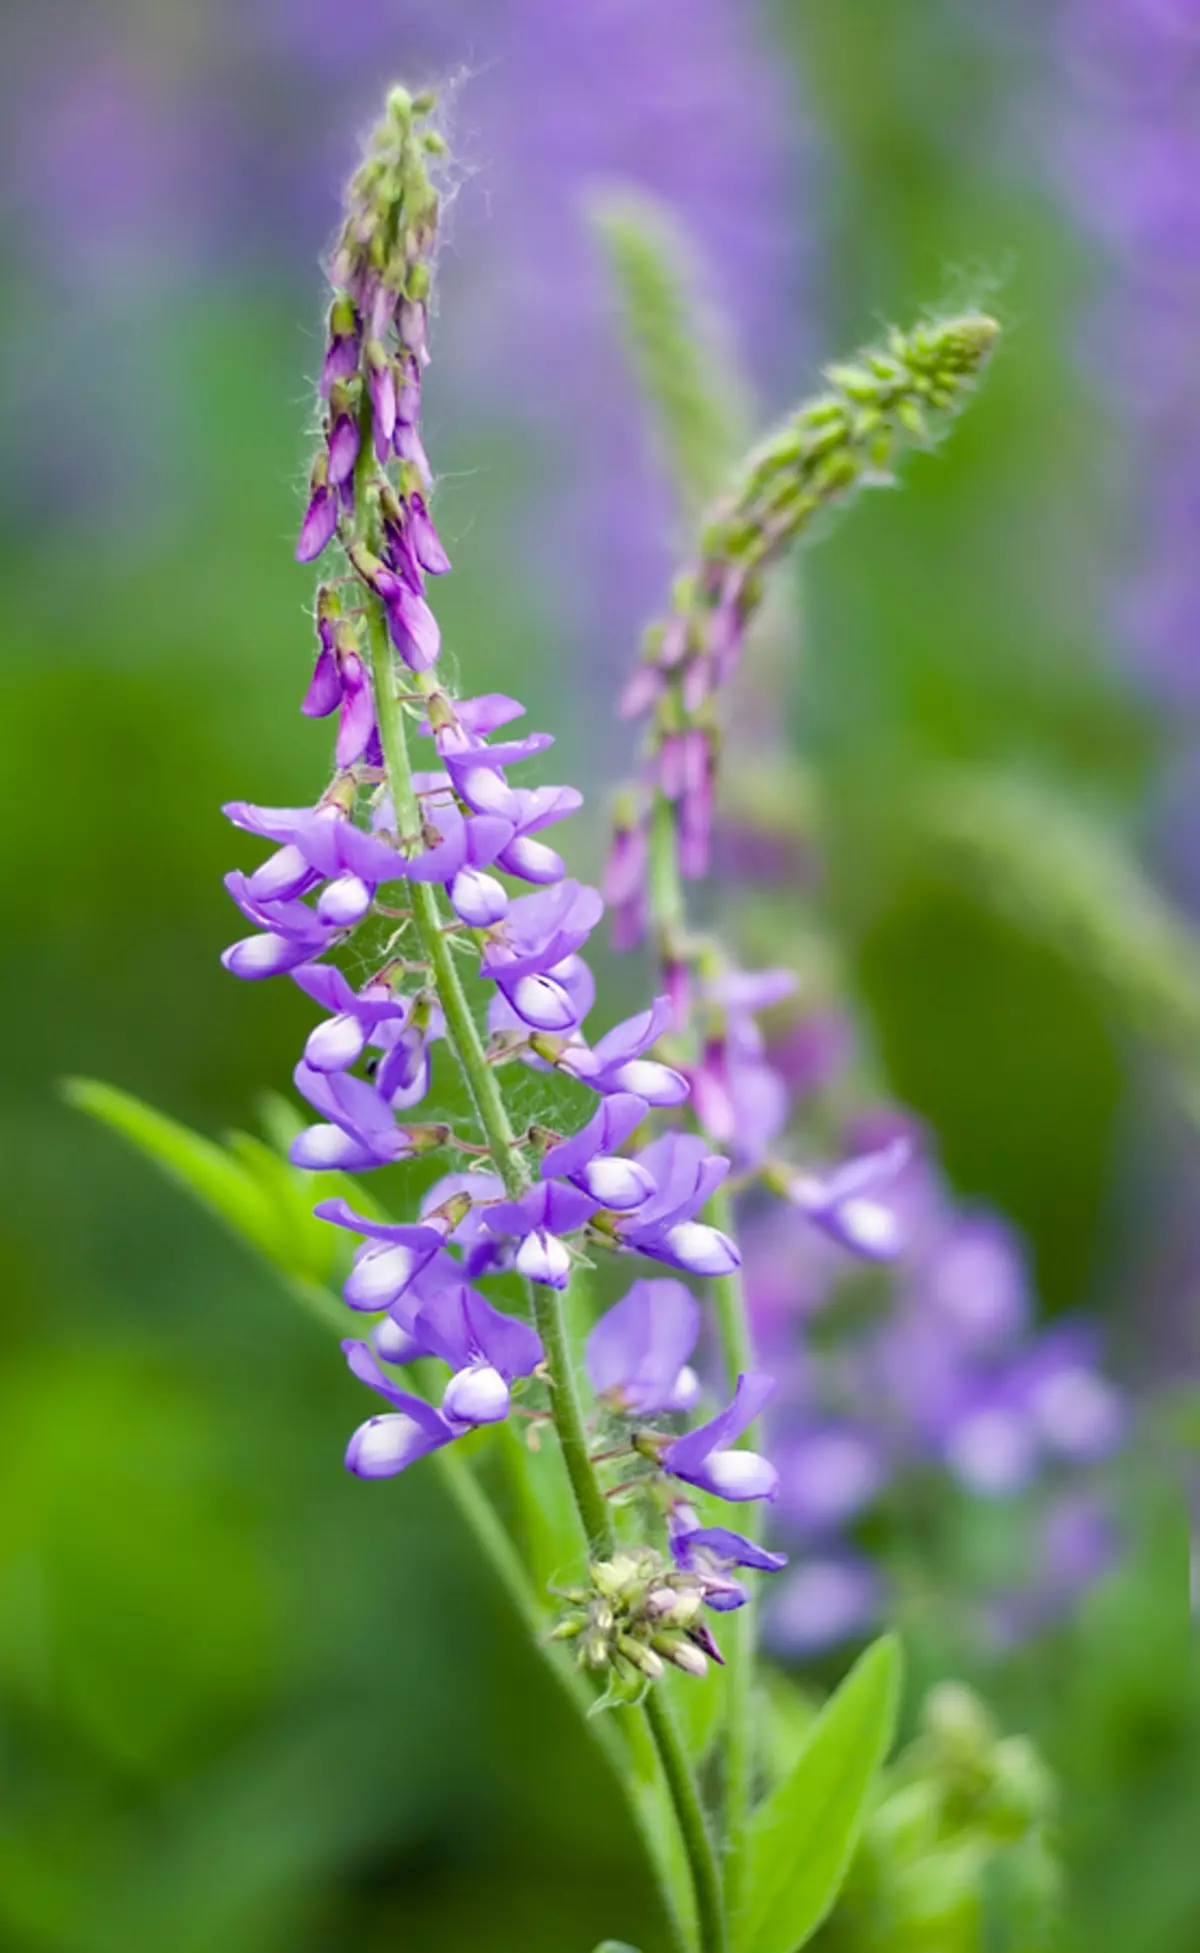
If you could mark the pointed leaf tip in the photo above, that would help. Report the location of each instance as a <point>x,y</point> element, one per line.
<point>803,1836</point>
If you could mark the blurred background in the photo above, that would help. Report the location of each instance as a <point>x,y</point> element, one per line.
<point>245,1702</point>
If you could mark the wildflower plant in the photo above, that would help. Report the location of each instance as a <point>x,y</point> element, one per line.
<point>422,903</point>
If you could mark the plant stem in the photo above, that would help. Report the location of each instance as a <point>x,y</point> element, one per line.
<point>463,1036</point>
<point>669,911</point>
<point>733,1327</point>
<point>460,1025</point>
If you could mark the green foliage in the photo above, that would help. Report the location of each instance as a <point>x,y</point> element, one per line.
<point>1059,875</point>
<point>678,348</point>
<point>803,1835</point>
<point>132,1606</point>
<point>955,1853</point>
<point>257,1195</point>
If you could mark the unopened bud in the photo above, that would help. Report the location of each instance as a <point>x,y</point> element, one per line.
<point>1022,1792</point>
<point>615,1576</point>
<point>640,1657</point>
<point>684,1654</point>
<point>957,1720</point>
<point>427,1139</point>
<point>439,712</point>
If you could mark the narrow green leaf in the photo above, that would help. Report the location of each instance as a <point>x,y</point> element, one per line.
<point>615,1946</point>
<point>803,1836</point>
<point>220,1182</point>
<point>305,1246</point>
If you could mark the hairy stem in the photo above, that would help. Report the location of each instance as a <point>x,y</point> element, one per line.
<point>668,909</point>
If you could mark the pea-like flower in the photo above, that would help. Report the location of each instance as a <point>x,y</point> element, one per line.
<point>706,1458</point>
<point>391,1257</point>
<point>685,1176</point>
<point>709,1552</point>
<point>537,1221</point>
<point>845,1203</point>
<point>589,1160</point>
<point>637,1354</point>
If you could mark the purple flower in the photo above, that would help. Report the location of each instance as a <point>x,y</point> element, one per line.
<point>323,836</point>
<point>532,809</point>
<point>828,1474</point>
<point>738,1098</point>
<point>991,1442</point>
<point>391,1258</point>
<point>321,515</point>
<point>618,1064</point>
<point>587,1159</point>
<point>483,1253</point>
<point>460,848</point>
<point>342,343</point>
<point>710,1551</point>
<point>477,771</point>
<point>384,1445</point>
<point>340,684</point>
<point>342,1038</point>
<point>361,1131</point>
<point>484,1348</point>
<point>1076,1412</point>
<point>823,1602</point>
<point>411,624</point>
<point>537,1220</point>
<point>343,436</point>
<point>685,1175</point>
<point>973,1278</point>
<point>539,933</point>
<point>843,1203</point>
<point>705,1457</point>
<point>637,1354</point>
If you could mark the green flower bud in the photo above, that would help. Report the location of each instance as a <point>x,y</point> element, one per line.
<point>685,1655</point>
<point>640,1657</point>
<point>1022,1793</point>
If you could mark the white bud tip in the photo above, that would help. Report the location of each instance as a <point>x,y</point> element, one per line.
<point>741,1475</point>
<point>476,1396</point>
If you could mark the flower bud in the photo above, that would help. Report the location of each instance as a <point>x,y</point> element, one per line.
<point>684,1654</point>
<point>640,1657</point>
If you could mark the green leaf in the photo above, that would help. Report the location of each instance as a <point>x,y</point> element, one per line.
<point>803,1836</point>
<point>217,1180</point>
<point>615,1946</point>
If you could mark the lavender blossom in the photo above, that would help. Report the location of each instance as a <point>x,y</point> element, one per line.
<point>452,839</point>
<point>637,1354</point>
<point>711,1551</point>
<point>705,1457</point>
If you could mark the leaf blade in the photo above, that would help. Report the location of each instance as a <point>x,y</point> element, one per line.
<point>803,1835</point>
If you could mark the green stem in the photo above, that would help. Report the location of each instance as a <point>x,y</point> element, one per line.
<point>733,1328</point>
<point>463,1036</point>
<point>669,911</point>
<point>706,1880</point>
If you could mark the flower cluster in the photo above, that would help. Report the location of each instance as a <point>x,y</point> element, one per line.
<point>933,1375</point>
<point>416,872</point>
<point>845,439</point>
